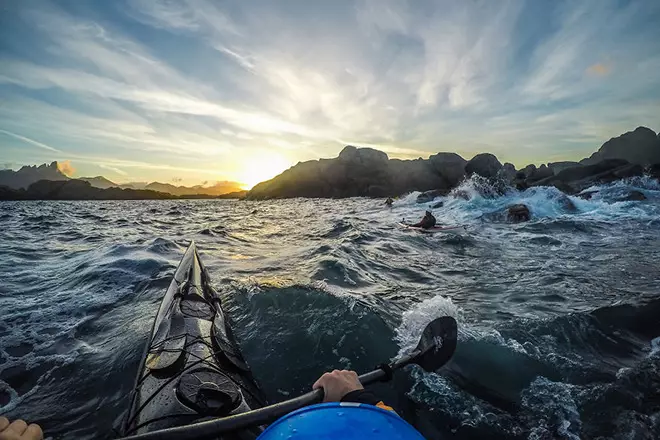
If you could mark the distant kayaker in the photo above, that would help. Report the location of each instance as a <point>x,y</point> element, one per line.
<point>389,201</point>
<point>427,222</point>
<point>19,430</point>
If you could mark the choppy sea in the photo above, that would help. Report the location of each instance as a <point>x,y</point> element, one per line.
<point>559,317</point>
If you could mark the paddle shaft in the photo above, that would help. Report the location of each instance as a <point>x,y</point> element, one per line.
<point>265,415</point>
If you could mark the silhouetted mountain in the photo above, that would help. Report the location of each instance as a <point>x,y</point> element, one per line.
<point>233,195</point>
<point>134,185</point>
<point>27,175</point>
<point>99,182</point>
<point>215,190</point>
<point>76,189</point>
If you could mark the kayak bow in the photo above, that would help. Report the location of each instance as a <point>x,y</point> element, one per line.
<point>192,369</point>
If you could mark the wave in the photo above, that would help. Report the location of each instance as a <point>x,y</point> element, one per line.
<point>476,199</point>
<point>557,378</point>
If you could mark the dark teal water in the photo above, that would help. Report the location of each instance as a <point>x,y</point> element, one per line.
<point>559,317</point>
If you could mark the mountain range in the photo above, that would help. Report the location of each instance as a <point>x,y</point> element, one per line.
<point>27,175</point>
<point>360,172</point>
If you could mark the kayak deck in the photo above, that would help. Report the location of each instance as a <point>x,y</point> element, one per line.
<point>192,369</point>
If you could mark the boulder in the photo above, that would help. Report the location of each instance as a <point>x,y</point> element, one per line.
<point>557,167</point>
<point>632,196</point>
<point>518,213</point>
<point>413,175</point>
<point>450,166</point>
<point>529,170</point>
<point>485,165</point>
<point>508,172</point>
<point>429,196</point>
<point>632,170</point>
<point>533,174</point>
<point>363,156</point>
<point>654,171</point>
<point>460,194</point>
<point>566,203</point>
<point>641,147</point>
<point>543,172</point>
<point>572,180</point>
<point>587,195</point>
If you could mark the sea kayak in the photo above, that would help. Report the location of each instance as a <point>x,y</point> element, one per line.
<point>432,230</point>
<point>192,369</point>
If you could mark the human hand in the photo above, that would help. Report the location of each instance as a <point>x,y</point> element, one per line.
<point>337,384</point>
<point>19,430</point>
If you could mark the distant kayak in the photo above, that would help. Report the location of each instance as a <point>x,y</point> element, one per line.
<point>433,230</point>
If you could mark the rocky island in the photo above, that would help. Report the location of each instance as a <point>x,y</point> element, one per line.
<point>370,173</point>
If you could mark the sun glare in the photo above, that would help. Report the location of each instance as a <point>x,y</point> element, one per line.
<point>263,167</point>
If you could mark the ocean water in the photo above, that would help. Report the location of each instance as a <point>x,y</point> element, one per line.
<point>559,317</point>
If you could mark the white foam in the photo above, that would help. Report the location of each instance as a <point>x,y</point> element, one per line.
<point>543,202</point>
<point>415,320</point>
<point>655,347</point>
<point>13,397</point>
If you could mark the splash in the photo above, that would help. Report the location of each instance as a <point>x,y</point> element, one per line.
<point>476,200</point>
<point>415,320</point>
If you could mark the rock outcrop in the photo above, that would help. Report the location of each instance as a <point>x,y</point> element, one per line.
<point>557,167</point>
<point>429,196</point>
<point>450,166</point>
<point>362,172</point>
<point>518,213</point>
<point>485,165</point>
<point>368,172</point>
<point>574,180</point>
<point>641,147</point>
<point>634,195</point>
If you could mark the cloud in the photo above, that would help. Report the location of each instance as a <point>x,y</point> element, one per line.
<point>180,85</point>
<point>113,169</point>
<point>66,167</point>
<point>30,141</point>
<point>598,69</point>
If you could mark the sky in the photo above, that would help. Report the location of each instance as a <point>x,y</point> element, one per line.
<point>199,91</point>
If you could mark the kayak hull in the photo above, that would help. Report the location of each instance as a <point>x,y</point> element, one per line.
<point>192,369</point>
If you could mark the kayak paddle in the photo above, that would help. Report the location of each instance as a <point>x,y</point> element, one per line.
<point>435,348</point>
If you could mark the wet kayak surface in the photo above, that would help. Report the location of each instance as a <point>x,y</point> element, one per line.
<point>558,317</point>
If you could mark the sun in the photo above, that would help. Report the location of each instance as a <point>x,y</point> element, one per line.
<point>262,167</point>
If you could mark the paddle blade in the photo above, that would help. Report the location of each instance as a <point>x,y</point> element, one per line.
<point>437,343</point>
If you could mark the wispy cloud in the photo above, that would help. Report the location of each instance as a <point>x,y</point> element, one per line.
<point>175,84</point>
<point>30,141</point>
<point>113,169</point>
